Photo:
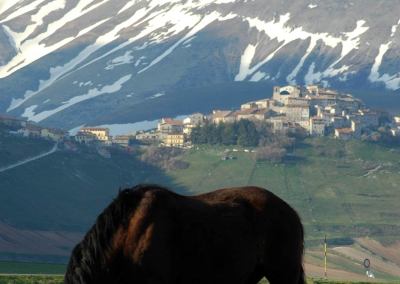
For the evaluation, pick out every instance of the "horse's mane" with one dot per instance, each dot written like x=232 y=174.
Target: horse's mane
x=88 y=258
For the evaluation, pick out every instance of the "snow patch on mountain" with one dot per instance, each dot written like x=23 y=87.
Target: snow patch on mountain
x=33 y=49
x=258 y=76
x=312 y=6
x=394 y=28
x=160 y=94
x=285 y=34
x=127 y=58
x=29 y=111
x=19 y=38
x=313 y=78
x=6 y=4
x=391 y=82
x=57 y=72
x=23 y=10
x=245 y=62
x=127 y=6
x=201 y=24
x=291 y=77
x=92 y=93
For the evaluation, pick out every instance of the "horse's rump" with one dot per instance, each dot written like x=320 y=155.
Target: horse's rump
x=152 y=235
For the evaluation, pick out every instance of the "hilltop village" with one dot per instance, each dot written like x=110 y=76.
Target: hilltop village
x=315 y=110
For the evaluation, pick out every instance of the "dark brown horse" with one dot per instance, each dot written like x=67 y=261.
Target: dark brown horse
x=150 y=235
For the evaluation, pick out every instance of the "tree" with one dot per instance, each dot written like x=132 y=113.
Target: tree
x=247 y=133
x=273 y=153
x=229 y=135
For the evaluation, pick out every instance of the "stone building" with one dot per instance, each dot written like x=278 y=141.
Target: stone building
x=254 y=114
x=317 y=126
x=174 y=140
x=192 y=121
x=30 y=130
x=281 y=95
x=169 y=126
x=225 y=116
x=344 y=133
x=102 y=134
x=53 y=134
x=85 y=137
x=148 y=136
x=297 y=113
x=122 y=140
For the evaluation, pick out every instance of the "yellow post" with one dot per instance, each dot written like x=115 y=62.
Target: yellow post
x=325 y=259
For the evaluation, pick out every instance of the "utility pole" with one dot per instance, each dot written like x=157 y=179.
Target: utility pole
x=325 y=259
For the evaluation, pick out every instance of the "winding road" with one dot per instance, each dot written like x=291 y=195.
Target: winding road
x=20 y=163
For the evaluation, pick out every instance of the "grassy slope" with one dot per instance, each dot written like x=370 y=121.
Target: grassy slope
x=331 y=193
x=328 y=189
x=66 y=190
x=14 y=149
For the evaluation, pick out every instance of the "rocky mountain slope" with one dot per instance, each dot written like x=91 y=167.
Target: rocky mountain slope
x=70 y=62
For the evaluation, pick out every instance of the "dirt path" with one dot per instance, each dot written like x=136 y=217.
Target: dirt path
x=334 y=274
x=20 y=163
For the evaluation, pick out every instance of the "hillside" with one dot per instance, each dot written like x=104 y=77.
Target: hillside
x=48 y=203
x=67 y=63
x=347 y=190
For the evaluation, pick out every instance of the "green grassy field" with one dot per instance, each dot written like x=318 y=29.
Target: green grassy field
x=343 y=189
x=10 y=267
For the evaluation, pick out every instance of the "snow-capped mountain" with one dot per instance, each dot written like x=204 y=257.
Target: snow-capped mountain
x=74 y=62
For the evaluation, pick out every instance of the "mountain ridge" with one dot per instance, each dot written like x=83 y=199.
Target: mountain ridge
x=66 y=60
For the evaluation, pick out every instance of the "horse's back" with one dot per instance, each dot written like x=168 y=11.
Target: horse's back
x=232 y=235
x=226 y=235
x=277 y=232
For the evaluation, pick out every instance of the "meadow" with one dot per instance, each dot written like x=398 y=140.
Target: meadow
x=348 y=191
x=342 y=189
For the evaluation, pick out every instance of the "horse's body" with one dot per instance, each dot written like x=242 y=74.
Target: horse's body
x=150 y=235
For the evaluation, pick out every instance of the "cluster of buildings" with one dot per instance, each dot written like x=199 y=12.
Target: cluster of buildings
x=101 y=135
x=86 y=135
x=173 y=132
x=319 y=111
x=27 y=129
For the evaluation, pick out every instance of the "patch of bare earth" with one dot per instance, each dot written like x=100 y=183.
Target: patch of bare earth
x=316 y=271
x=379 y=262
x=390 y=253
